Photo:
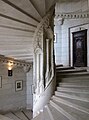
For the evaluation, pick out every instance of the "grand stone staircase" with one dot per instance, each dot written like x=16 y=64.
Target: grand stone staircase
x=71 y=98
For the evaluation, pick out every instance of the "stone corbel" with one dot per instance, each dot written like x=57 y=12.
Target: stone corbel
x=60 y=21
x=27 y=68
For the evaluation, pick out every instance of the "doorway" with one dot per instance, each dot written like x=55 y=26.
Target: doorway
x=80 y=48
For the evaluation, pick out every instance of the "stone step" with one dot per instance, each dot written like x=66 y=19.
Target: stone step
x=60 y=65
x=20 y=115
x=75 y=79
x=62 y=111
x=2 y=117
x=75 y=84
x=77 y=114
x=70 y=71
x=74 y=90
x=64 y=68
x=77 y=102
x=12 y=116
x=83 y=97
x=28 y=113
x=38 y=117
x=70 y=104
x=56 y=114
x=72 y=74
x=47 y=114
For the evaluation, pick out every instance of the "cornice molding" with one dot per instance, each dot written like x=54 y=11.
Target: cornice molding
x=72 y=15
x=16 y=63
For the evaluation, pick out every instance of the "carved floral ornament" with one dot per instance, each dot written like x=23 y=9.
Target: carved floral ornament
x=44 y=24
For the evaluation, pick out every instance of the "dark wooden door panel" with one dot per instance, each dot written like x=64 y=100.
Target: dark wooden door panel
x=80 y=48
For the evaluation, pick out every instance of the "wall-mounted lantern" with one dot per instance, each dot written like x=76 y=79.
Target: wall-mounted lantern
x=10 y=66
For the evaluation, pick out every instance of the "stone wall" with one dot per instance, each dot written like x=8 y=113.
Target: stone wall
x=62 y=27
x=10 y=99
x=30 y=91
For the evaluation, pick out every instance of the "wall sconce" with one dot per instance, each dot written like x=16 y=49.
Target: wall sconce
x=9 y=72
x=10 y=65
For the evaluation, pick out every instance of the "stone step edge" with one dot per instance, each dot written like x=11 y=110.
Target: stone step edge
x=71 y=74
x=64 y=68
x=70 y=71
x=71 y=96
x=2 y=117
x=49 y=112
x=60 y=65
x=74 y=79
x=11 y=116
x=37 y=115
x=72 y=85
x=62 y=111
x=72 y=90
x=80 y=108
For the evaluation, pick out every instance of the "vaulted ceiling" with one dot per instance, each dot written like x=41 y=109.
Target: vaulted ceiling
x=18 y=22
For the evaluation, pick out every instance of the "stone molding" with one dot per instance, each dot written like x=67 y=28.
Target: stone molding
x=72 y=15
x=43 y=32
x=43 y=25
x=16 y=63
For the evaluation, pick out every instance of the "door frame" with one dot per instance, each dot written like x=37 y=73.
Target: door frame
x=71 y=30
x=76 y=35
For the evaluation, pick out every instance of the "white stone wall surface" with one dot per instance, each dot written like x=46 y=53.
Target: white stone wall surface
x=10 y=99
x=62 y=27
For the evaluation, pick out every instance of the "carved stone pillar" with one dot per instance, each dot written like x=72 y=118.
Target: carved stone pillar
x=47 y=59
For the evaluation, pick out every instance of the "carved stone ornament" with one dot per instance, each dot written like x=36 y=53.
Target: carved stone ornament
x=16 y=63
x=72 y=15
x=44 y=24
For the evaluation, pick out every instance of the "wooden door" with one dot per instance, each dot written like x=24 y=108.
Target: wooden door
x=80 y=48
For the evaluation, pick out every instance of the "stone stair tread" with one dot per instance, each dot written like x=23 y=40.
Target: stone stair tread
x=60 y=65
x=73 y=89
x=72 y=83
x=72 y=74
x=43 y=115
x=38 y=117
x=62 y=111
x=77 y=102
x=46 y=114
x=75 y=79
x=70 y=104
x=71 y=71
x=66 y=95
x=75 y=84
x=2 y=117
x=28 y=113
x=71 y=100
x=82 y=95
x=20 y=115
x=78 y=115
x=56 y=114
x=12 y=116
x=64 y=68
